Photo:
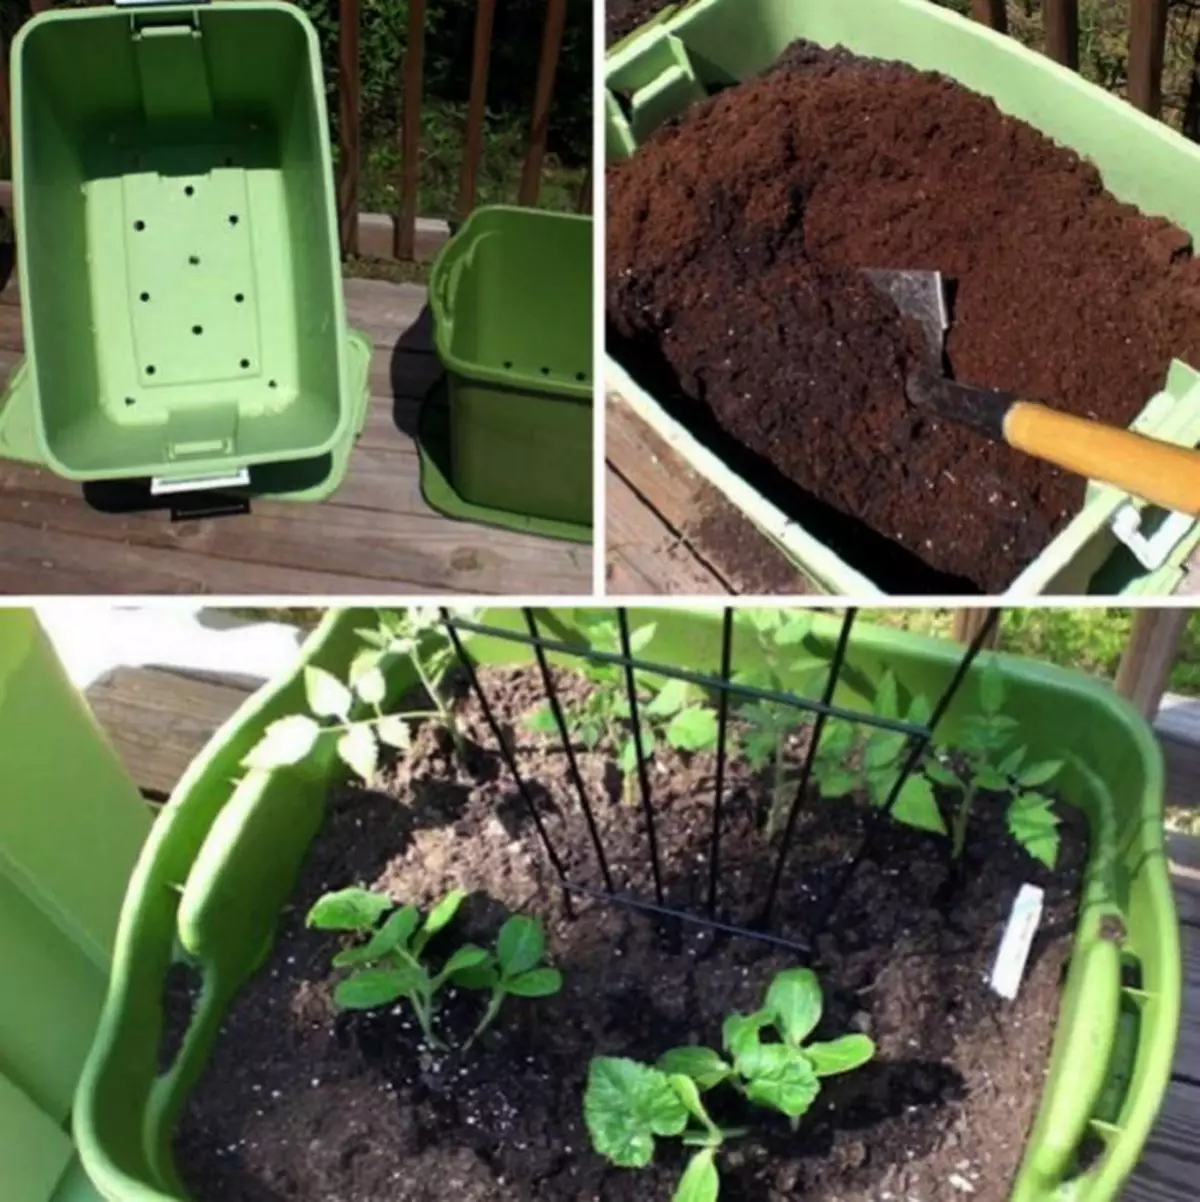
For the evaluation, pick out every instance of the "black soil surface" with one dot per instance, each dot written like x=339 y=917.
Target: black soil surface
x=736 y=236
x=302 y=1103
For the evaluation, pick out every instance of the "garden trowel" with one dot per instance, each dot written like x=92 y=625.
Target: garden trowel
x=1159 y=472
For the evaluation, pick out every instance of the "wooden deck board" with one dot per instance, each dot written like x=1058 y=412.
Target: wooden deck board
x=158 y=721
x=374 y=536
x=671 y=532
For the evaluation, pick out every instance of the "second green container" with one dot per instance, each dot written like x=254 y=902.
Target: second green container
x=512 y=303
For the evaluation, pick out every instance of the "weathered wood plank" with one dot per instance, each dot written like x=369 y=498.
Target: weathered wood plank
x=668 y=503
x=159 y=721
x=1149 y=657
x=1184 y=854
x=1168 y=1168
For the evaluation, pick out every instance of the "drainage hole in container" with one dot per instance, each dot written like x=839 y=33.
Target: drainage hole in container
x=194 y=260
x=233 y=219
x=189 y=191
x=130 y=400
x=197 y=329
x=229 y=160
x=144 y=297
x=150 y=370
x=239 y=297
x=139 y=225
x=545 y=371
x=581 y=376
x=245 y=363
x=508 y=363
x=272 y=384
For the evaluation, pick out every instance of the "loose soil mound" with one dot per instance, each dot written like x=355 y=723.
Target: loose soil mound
x=622 y=17
x=304 y=1104
x=734 y=236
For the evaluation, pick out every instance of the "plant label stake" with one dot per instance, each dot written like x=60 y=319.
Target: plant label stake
x=1014 y=950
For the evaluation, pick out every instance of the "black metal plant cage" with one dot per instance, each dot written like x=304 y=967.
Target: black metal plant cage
x=918 y=738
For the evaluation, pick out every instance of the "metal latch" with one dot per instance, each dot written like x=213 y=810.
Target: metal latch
x=167 y=486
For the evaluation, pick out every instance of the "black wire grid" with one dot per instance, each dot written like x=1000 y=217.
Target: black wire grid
x=918 y=736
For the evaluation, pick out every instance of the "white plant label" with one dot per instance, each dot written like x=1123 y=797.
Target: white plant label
x=1014 y=950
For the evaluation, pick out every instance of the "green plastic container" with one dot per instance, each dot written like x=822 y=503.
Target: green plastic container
x=512 y=306
x=71 y=826
x=176 y=233
x=314 y=479
x=715 y=43
x=237 y=840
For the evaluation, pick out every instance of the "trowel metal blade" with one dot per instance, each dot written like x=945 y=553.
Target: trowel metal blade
x=921 y=296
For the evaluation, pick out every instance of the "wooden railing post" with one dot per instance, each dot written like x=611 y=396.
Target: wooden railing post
x=1147 y=48
x=1062 y=32
x=539 y=130
x=405 y=237
x=969 y=622
x=1150 y=655
x=348 y=92
x=485 y=13
x=585 y=194
x=992 y=13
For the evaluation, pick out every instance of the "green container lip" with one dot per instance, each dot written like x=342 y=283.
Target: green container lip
x=830 y=571
x=341 y=429
x=515 y=380
x=143 y=931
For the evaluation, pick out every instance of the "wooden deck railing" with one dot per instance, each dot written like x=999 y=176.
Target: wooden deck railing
x=1147 y=41
x=406 y=217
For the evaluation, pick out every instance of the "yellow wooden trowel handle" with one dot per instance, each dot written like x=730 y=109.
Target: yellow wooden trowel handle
x=1165 y=475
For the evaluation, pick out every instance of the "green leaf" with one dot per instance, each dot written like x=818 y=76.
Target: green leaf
x=672 y=697
x=887 y=700
x=840 y=1055
x=1040 y=774
x=991 y=687
x=764 y=620
x=837 y=740
x=840 y=782
x=794 y=1002
x=374 y=987
x=439 y=918
x=916 y=806
x=991 y=780
x=540 y=982
x=1033 y=823
x=641 y=638
x=480 y=976
x=884 y=749
x=693 y=729
x=626 y=1105
x=349 y=910
x=791 y=1093
x=352 y=957
x=741 y=1031
x=920 y=711
x=702 y=1065
x=359 y=751
x=765 y=1060
x=627 y=761
x=793 y=630
x=760 y=749
x=700 y=1181
x=285 y=742
x=942 y=774
x=327 y=696
x=1011 y=762
x=394 y=933
x=542 y=721
x=395 y=732
x=371 y=686
x=464 y=959
x=521 y=945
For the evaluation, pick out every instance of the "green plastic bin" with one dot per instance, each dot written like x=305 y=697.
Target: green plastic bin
x=511 y=294
x=237 y=840
x=176 y=234
x=715 y=43
x=71 y=826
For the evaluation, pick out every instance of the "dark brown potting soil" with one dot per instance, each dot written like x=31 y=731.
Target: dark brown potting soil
x=734 y=238
x=302 y=1103
x=622 y=17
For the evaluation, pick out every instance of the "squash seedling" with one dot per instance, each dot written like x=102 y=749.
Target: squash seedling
x=413 y=634
x=628 y=1104
x=389 y=966
x=992 y=764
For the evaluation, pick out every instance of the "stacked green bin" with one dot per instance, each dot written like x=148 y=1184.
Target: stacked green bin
x=511 y=294
x=71 y=827
x=177 y=245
